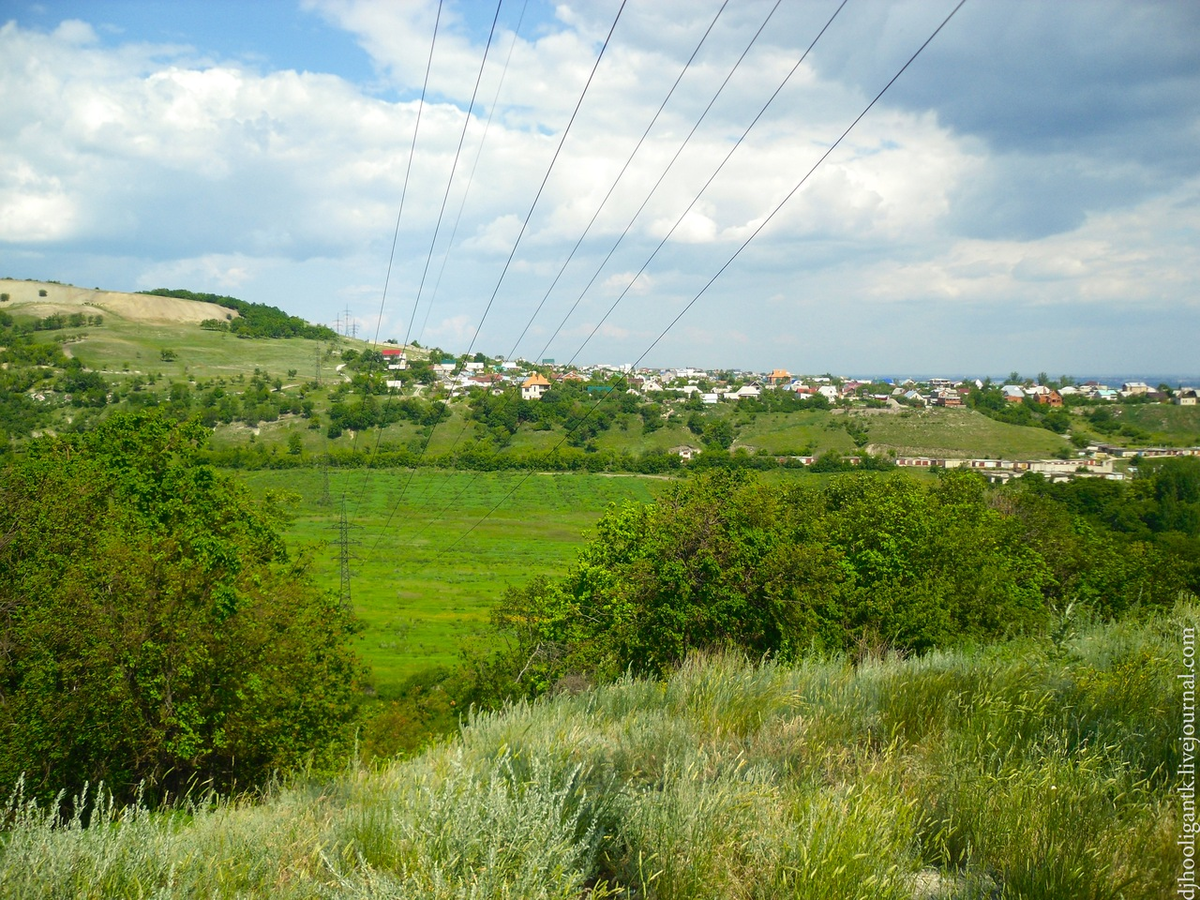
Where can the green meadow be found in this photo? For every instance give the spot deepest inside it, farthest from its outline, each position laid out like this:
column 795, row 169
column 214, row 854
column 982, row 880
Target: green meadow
column 954, row 433
column 1166, row 423
column 129, row 346
column 431, row 551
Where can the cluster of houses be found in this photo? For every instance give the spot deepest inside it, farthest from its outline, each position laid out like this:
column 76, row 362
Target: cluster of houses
column 715, row 387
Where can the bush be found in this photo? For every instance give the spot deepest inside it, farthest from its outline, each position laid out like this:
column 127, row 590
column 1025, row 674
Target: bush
column 154, row 627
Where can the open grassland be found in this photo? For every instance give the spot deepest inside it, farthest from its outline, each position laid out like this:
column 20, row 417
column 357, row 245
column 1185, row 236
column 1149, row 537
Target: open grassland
column 811, row 432
column 122, row 347
column 1039, row 770
column 1166, row 423
column 199, row 354
column 432, row 551
column 954, row 433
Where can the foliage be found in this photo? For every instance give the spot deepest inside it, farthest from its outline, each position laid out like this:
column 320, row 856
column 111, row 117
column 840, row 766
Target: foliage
column 254, row 319
column 723, row 560
column 1003, row 771
column 1152, row 525
column 154, row 628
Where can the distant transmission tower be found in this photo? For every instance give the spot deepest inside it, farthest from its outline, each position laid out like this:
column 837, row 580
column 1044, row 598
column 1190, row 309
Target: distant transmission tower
column 344, row 557
column 325, row 482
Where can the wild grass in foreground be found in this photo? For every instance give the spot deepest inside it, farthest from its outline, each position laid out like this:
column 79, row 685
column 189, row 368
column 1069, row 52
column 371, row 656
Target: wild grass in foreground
column 1030, row 770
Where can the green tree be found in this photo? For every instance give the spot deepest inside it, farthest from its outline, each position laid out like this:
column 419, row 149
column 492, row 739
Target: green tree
column 725, row 561
column 154, row 628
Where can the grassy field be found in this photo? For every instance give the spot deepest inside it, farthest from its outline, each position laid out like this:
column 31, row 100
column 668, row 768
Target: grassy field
column 427, row 566
column 954, row 433
column 117, row 348
column 1166, row 423
column 1029, row 771
column 816, row 432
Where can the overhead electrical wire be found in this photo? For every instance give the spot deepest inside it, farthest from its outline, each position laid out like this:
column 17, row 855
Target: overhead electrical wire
column 660, row 180
column 711, row 179
column 462, row 204
column 529, row 215
column 621, row 174
column 407, row 172
column 616, row 181
column 475, row 165
column 557, row 150
column 762, row 225
column 454, row 166
column 404, row 189
column 445, row 196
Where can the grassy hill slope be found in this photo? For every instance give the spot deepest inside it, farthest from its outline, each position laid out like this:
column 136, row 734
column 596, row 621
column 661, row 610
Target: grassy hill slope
column 42, row 298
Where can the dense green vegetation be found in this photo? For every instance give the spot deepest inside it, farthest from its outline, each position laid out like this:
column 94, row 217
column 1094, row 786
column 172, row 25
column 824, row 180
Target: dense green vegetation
column 254, row 319
column 724, row 561
column 156, row 634
column 1040, row 770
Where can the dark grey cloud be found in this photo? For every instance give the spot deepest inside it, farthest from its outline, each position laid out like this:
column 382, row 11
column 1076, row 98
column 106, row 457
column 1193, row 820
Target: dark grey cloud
column 1024, row 197
column 1035, row 75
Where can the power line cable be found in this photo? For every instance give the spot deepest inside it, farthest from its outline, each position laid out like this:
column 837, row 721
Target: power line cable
column 546, row 177
column 475, row 165
column 733, row 257
column 616, row 181
column 661, row 178
column 462, row 204
column 441, row 212
column 711, row 179
column 621, row 174
column 449, row 181
column 407, row 172
column 529, row 215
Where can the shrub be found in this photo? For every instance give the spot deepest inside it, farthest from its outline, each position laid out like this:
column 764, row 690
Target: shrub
column 154, row 626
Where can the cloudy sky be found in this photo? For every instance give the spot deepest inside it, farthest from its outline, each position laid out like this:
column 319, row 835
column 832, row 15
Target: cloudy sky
column 1025, row 196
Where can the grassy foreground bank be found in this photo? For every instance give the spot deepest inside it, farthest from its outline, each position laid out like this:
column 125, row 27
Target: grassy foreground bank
column 1035, row 770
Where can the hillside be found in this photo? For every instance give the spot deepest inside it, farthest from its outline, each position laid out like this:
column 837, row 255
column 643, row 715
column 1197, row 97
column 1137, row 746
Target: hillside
column 1040, row 770
column 44, row 298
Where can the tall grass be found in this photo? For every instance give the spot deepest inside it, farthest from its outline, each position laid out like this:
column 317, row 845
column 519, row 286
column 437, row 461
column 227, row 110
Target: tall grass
column 1017, row 771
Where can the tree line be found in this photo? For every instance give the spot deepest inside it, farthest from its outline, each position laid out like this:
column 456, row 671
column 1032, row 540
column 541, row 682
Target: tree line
column 723, row 561
column 253, row 320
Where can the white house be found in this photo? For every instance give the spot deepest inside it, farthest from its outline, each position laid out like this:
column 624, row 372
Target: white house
column 533, row 387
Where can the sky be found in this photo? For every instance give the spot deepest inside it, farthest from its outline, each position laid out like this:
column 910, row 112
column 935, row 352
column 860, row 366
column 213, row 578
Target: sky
column 1025, row 196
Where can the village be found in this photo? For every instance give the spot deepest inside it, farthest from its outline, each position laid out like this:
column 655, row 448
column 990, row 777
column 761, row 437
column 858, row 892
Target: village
column 711, row 387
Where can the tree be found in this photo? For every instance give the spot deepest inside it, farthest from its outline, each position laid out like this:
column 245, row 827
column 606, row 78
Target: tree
column 154, row 629
column 724, row 561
